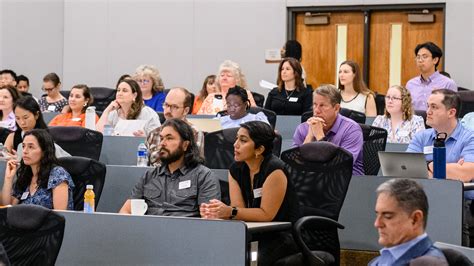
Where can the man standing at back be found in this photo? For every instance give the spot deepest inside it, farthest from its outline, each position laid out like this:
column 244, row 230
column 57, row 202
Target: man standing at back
column 428, row 55
column 401, row 214
column 181, row 183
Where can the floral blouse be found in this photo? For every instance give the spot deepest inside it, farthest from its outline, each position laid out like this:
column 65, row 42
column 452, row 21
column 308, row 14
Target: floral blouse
column 44, row 196
column 404, row 132
column 52, row 107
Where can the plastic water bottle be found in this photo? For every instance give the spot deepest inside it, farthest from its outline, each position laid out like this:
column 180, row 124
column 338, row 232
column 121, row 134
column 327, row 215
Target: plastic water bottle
column 108, row 130
column 89, row 199
column 439, row 156
column 142, row 153
column 90, row 117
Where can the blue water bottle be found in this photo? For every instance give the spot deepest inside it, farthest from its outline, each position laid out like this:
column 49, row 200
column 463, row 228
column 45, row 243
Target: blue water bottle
column 439, row 156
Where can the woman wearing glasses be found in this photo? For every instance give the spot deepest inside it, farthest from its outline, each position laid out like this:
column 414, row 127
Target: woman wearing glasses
column 237, row 109
column 151, row 85
column 399, row 120
column 53, row 101
column 129, row 105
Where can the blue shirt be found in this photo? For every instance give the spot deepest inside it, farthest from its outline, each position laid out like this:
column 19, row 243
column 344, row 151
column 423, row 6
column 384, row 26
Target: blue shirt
column 389, row 255
column 468, row 121
column 459, row 145
column 156, row 102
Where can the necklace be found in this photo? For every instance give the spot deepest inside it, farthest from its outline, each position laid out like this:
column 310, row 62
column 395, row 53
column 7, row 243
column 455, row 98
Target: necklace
column 350, row 99
column 289, row 95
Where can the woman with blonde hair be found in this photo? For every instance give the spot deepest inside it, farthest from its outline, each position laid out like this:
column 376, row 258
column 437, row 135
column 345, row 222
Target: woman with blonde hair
column 399, row 120
column 230, row 75
column 355, row 94
column 151, row 85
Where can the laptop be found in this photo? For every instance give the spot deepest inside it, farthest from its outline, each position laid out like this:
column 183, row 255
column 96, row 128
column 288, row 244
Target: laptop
column 206, row 124
column 403, row 164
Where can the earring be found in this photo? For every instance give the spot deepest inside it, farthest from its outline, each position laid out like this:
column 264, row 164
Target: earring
column 85, row 104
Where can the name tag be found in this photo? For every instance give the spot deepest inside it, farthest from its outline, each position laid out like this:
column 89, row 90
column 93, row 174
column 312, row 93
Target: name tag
column 428, row 150
column 403, row 133
column 51, row 108
column 293, row 99
column 257, row 193
column 184, row 184
column 76, row 119
column 24, row 195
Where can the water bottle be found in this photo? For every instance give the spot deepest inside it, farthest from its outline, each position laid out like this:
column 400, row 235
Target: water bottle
column 108, row 130
column 89, row 199
column 142, row 153
column 439, row 156
column 90, row 117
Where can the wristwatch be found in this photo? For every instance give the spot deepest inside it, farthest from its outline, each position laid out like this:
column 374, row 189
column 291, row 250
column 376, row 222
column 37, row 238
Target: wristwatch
column 233, row 213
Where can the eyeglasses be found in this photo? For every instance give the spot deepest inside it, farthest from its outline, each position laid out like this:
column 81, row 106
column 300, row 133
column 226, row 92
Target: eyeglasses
column 391, row 98
column 143, row 81
column 422, row 57
column 172, row 107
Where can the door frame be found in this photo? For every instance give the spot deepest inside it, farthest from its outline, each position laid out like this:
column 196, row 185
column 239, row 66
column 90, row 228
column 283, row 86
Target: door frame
column 366, row 9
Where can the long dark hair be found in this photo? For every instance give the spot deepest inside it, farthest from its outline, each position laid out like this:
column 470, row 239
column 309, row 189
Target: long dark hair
column 191, row 156
column 31, row 105
column 297, row 70
column 47, row 163
column 203, row 93
column 261, row 134
column 138, row 104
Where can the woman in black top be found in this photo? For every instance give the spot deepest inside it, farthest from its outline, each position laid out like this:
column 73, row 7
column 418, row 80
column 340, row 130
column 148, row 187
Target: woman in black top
column 259, row 190
column 291, row 97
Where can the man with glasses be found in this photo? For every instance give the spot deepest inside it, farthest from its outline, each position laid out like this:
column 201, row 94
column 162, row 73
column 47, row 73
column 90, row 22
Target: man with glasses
column 178, row 104
column 428, row 56
column 327, row 124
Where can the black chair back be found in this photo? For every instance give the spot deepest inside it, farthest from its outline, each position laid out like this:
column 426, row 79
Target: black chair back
column 375, row 140
column 467, row 102
column 4, row 132
column 84, row 171
column 354, row 115
column 321, row 173
column 455, row 257
column 102, row 97
column 78, row 141
column 31, row 234
column 259, row 98
column 65, row 94
column 219, row 148
column 380, row 103
column 161, row 115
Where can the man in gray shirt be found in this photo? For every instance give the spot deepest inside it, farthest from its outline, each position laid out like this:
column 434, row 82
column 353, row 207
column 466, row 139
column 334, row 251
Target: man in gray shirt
column 181, row 183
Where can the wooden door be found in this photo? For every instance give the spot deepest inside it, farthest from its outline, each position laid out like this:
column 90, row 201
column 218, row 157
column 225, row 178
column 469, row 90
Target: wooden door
column 319, row 45
column 412, row 34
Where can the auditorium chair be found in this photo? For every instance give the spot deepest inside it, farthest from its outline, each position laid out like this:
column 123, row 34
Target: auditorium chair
column 467, row 102
column 102, row 97
column 380, row 103
column 455, row 257
column 259, row 99
column 354, row 115
column 78, row 141
column 422, row 113
column 4, row 132
column 375, row 140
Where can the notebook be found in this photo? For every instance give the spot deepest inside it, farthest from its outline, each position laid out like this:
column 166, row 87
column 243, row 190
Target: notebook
column 403, row 164
column 206, row 124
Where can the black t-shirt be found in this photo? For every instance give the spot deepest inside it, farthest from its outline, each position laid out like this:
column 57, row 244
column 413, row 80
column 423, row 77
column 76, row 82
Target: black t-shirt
column 289, row 103
column 288, row 211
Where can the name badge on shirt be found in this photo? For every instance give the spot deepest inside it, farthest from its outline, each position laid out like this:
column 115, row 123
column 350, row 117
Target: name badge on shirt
column 428, row 150
column 24, row 195
column 76, row 119
column 257, row 193
column 51, row 108
column 293, row 99
column 403, row 133
column 184, row 184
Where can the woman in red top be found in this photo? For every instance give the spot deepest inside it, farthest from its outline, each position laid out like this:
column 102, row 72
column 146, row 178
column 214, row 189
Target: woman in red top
column 79, row 99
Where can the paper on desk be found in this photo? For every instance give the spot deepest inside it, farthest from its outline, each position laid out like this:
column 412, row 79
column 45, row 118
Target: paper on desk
column 127, row 127
column 267, row 85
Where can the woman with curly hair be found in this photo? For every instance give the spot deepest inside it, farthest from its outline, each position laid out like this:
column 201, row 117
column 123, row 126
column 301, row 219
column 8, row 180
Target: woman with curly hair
column 151, row 85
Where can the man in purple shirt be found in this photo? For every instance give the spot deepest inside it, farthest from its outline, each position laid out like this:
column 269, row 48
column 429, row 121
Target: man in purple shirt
column 328, row 125
column 427, row 59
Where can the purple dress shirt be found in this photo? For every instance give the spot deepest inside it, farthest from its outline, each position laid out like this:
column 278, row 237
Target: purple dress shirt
column 420, row 88
column 345, row 133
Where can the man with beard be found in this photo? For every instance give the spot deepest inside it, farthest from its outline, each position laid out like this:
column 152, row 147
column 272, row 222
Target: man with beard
column 181, row 183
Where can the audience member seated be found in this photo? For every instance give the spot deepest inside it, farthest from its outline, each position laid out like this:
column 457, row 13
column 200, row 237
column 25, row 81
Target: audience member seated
column 129, row 106
column 79, row 99
column 401, row 215
column 7, row 78
column 291, row 97
column 355, row 94
column 122, row 78
column 28, row 116
column 260, row 190
column 151, row 85
column 237, row 109
column 209, row 86
column 442, row 116
column 399, row 118
column 293, row 49
column 39, row 179
column 182, row 182
column 328, row 125
column 229, row 76
column 8, row 97
column 53, row 101
column 428, row 55
column 177, row 105
column 23, row 84
column 468, row 121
